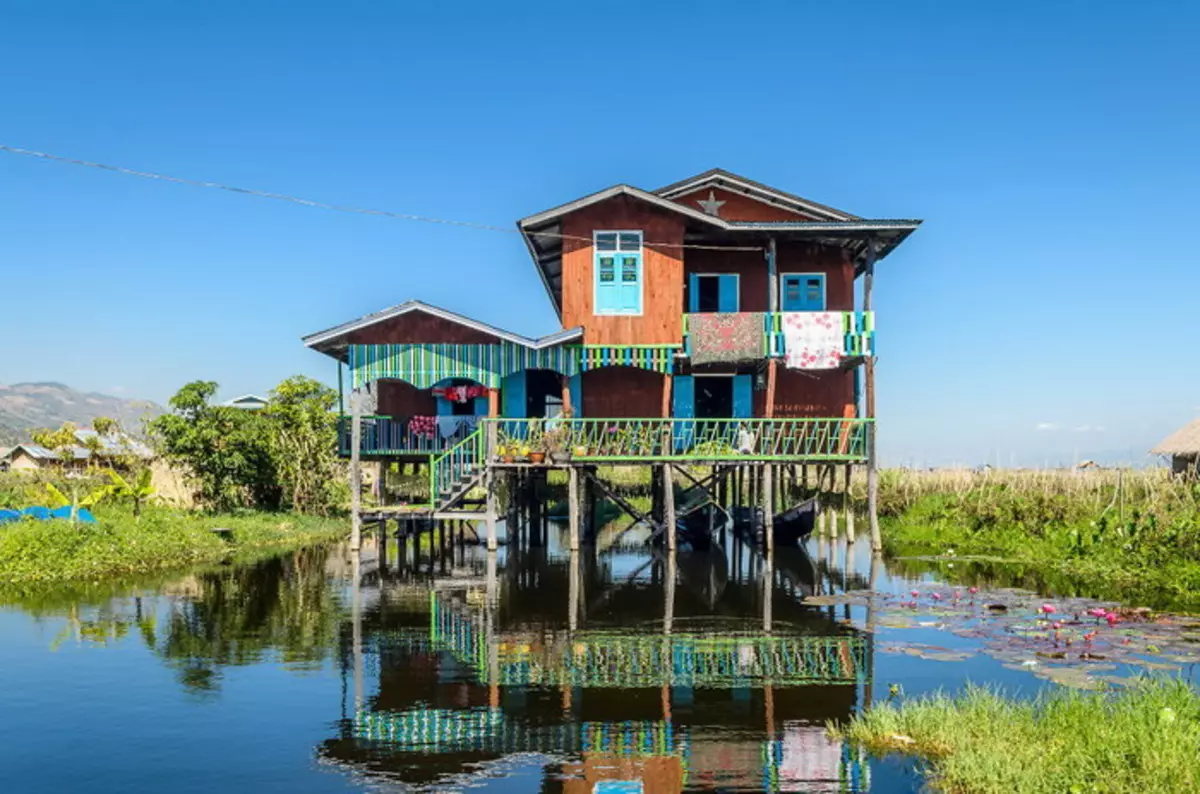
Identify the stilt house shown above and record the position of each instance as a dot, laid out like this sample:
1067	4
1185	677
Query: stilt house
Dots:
711	320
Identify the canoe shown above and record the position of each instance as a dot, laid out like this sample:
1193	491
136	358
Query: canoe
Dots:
790	527
695	527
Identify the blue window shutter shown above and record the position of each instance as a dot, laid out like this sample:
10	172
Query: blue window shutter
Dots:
575	385
802	292
727	295
608	288
444	407
743	396
630	280
683	401
512	393
693	292
481	406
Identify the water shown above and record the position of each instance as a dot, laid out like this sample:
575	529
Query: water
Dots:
529	670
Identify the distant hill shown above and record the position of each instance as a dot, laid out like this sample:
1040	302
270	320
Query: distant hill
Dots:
24	406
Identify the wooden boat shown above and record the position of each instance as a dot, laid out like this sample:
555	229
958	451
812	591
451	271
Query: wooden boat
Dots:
695	527
790	527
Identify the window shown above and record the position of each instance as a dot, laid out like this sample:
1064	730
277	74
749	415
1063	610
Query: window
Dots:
802	292
618	268
713	292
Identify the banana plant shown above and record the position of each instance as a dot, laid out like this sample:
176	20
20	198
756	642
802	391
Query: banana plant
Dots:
137	491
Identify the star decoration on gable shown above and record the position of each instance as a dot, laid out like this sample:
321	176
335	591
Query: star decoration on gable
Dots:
710	205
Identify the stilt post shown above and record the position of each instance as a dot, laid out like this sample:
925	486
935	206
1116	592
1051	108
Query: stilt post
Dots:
355	470
768	510
872	465
669	505
573	505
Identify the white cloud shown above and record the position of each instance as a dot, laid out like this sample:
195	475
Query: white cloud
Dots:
1045	426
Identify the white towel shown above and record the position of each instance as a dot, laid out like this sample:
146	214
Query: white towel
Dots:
813	340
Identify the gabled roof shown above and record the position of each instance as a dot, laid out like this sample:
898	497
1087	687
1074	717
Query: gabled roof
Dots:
38	452
331	341
543	231
1184	441
246	401
727	180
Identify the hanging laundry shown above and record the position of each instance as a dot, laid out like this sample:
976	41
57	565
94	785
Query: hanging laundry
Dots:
725	338
813	340
424	426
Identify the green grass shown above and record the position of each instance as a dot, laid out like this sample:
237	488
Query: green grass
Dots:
1145	739
1132	536
38	554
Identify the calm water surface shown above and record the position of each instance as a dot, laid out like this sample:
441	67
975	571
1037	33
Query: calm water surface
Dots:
530	670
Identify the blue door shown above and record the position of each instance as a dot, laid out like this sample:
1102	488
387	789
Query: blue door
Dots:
630	267
701	289
683	406
802	292
743	396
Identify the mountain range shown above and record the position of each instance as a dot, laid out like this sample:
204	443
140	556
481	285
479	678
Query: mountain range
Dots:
26	406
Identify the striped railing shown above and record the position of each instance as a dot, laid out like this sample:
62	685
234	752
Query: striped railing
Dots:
390	435
454	466
816	439
857	327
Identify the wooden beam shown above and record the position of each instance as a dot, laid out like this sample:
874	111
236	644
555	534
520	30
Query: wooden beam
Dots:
668	382
356	471
772	369
772	278
768	510
493	403
568	409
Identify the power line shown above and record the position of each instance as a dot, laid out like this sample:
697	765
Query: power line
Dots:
404	216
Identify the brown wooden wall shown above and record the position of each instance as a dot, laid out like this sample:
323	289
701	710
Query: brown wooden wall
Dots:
399	398
662	267
828	393
741	208
622	392
751	267
417	327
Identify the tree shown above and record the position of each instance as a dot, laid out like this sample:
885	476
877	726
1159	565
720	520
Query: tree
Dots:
303	427
227	451
106	426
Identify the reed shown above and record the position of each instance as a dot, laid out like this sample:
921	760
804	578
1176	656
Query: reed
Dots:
1144	739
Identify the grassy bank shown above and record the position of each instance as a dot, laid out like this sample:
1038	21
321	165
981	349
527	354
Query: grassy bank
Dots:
1144	739
36	554
1138	533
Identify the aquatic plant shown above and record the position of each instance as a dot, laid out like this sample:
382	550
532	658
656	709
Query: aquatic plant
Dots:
1144	739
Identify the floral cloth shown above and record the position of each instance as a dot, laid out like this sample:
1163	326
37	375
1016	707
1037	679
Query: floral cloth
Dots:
725	337
813	340
461	394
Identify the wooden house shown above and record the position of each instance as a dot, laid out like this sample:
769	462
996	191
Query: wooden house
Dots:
1183	448
712	321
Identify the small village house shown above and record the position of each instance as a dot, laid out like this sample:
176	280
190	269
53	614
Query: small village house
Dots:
247	402
714	321
110	450
1183	448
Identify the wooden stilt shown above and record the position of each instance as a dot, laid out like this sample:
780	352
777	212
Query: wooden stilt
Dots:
355	471
768	510
872	471
830	497
489	479
848	503
573	506
669	506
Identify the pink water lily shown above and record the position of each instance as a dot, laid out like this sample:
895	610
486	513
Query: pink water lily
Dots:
1047	609
936	596
972	590
1097	612
914	593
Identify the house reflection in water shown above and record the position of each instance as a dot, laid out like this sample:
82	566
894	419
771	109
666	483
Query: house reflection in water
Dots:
689	674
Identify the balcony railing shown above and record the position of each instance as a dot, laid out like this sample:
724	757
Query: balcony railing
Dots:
399	435
858	329
817	439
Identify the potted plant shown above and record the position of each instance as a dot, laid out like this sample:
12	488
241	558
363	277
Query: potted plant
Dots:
506	453
554	442
524	452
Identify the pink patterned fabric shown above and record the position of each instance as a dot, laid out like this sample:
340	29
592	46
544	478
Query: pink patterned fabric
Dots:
813	340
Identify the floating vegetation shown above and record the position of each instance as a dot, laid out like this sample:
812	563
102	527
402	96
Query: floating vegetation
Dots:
1074	642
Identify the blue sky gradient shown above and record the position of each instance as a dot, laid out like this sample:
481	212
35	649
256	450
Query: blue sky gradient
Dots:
1049	146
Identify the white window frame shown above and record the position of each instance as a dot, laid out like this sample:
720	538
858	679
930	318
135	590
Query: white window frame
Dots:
641	252
824	286
737	290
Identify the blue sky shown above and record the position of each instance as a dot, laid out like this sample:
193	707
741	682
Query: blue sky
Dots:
1049	146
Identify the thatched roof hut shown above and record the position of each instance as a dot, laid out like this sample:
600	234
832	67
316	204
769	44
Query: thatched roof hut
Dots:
1183	446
